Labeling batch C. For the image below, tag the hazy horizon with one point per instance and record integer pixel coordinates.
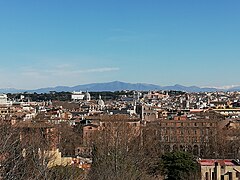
(216, 87)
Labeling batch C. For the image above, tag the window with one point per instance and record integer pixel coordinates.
(206, 176)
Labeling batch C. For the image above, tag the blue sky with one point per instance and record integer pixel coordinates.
(70, 42)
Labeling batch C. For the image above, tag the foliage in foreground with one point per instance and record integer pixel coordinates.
(65, 172)
(179, 166)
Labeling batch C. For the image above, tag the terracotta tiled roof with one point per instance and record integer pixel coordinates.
(222, 162)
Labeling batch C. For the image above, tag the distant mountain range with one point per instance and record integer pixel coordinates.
(118, 86)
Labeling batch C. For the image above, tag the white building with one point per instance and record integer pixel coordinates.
(76, 96)
(100, 103)
(88, 96)
(3, 99)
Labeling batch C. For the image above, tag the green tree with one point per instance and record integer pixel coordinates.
(179, 166)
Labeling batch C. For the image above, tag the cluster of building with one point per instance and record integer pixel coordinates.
(190, 122)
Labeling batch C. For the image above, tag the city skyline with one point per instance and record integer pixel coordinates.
(51, 43)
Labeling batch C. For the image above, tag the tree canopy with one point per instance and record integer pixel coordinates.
(179, 166)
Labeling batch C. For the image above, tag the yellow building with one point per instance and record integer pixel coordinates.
(220, 169)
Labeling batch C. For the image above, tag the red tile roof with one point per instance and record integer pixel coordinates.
(222, 162)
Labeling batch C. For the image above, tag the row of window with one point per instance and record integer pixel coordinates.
(5, 112)
(187, 124)
(180, 139)
(183, 131)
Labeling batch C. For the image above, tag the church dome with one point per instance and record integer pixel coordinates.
(88, 96)
(100, 102)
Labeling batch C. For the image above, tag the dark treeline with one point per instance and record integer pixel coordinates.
(66, 96)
